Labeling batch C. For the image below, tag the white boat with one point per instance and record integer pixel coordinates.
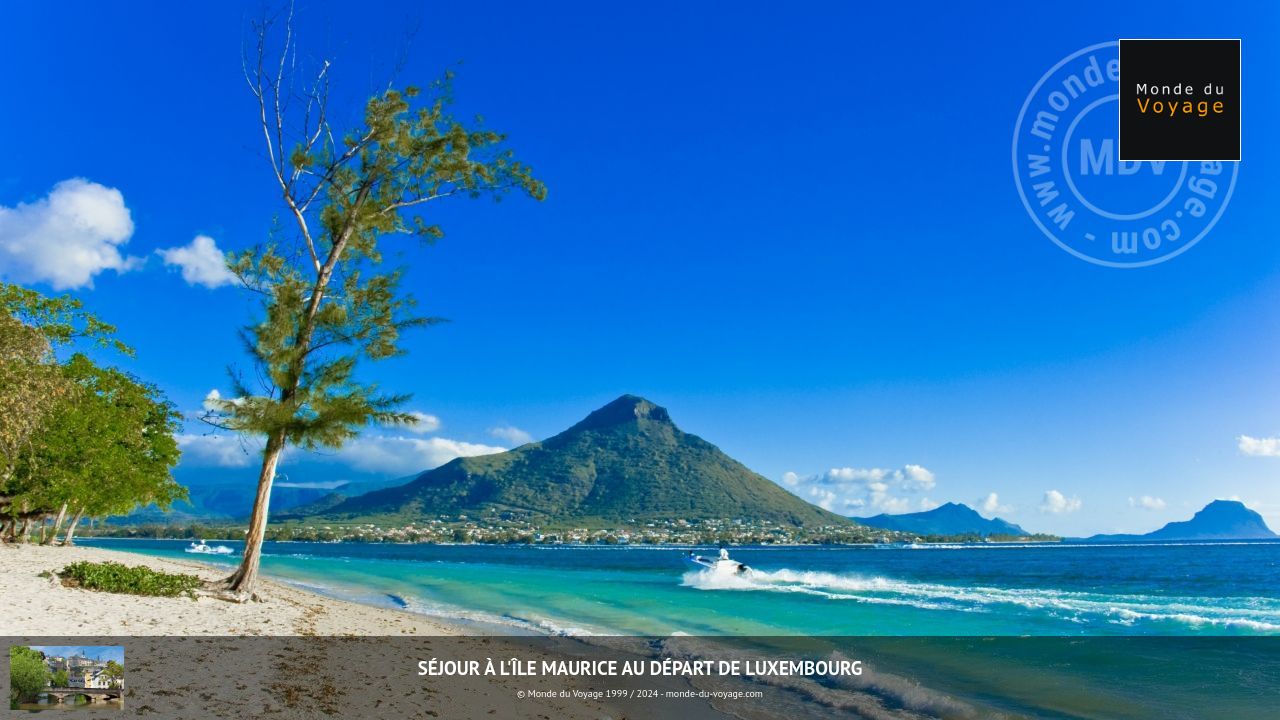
(719, 565)
(203, 548)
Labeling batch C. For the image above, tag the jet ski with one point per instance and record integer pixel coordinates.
(722, 564)
(203, 548)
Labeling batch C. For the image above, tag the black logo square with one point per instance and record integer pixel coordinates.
(1179, 100)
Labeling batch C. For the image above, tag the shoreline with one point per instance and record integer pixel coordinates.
(231, 656)
(38, 606)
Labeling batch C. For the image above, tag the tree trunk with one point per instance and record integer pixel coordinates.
(57, 526)
(243, 581)
(44, 526)
(71, 529)
(25, 535)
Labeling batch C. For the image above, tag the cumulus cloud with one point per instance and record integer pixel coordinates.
(991, 505)
(1058, 504)
(66, 238)
(865, 491)
(222, 450)
(397, 455)
(214, 402)
(426, 424)
(1147, 502)
(1260, 447)
(201, 262)
(511, 434)
(391, 455)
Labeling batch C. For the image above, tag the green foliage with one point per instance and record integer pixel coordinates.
(60, 679)
(61, 320)
(114, 673)
(75, 437)
(27, 673)
(137, 580)
(626, 462)
(105, 448)
(330, 301)
(30, 387)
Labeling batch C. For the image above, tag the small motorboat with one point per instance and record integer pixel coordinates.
(719, 565)
(203, 548)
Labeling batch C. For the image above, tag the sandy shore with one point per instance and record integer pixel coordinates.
(296, 655)
(32, 605)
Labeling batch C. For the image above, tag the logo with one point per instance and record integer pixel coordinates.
(1180, 100)
(1107, 211)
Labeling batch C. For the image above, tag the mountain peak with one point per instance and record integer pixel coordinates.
(625, 463)
(1219, 520)
(625, 409)
(948, 519)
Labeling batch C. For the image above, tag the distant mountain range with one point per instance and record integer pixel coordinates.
(626, 462)
(232, 500)
(948, 519)
(1219, 520)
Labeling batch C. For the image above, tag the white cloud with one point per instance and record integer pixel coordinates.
(222, 450)
(426, 423)
(511, 434)
(396, 455)
(1058, 504)
(388, 454)
(919, 477)
(1147, 502)
(214, 402)
(991, 505)
(865, 491)
(201, 262)
(1260, 447)
(66, 238)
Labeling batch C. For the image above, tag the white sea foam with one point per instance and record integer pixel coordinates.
(1247, 614)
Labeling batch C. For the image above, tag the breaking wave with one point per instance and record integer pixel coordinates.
(1154, 613)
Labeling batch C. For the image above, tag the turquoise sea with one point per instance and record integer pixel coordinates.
(1115, 632)
(1219, 588)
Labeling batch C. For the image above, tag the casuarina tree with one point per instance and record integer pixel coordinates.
(328, 298)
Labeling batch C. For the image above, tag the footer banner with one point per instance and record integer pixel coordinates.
(685, 677)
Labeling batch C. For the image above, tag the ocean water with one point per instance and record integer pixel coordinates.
(1222, 588)
(1055, 632)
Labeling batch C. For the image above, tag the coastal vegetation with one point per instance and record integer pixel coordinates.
(131, 580)
(78, 438)
(327, 298)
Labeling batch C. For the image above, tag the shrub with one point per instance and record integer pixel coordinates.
(118, 578)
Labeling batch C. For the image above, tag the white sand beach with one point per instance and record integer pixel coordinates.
(34, 605)
(283, 657)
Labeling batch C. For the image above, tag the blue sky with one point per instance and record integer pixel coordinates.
(795, 228)
(93, 652)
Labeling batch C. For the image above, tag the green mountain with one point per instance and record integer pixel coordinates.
(626, 462)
